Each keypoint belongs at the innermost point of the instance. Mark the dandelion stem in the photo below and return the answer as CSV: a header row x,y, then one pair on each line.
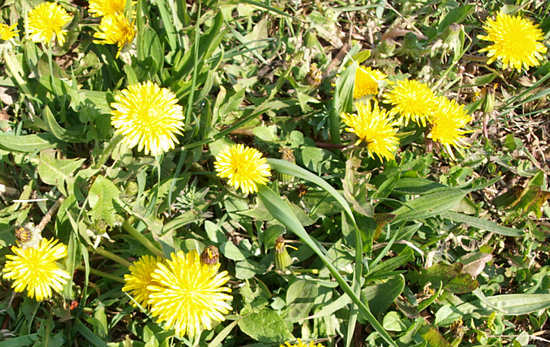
x,y
107,254
142,239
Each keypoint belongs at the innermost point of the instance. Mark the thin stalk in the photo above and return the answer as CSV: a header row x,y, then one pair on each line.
x,y
108,254
195,57
141,239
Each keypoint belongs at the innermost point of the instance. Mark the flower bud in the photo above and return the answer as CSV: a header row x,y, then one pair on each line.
x,y
282,258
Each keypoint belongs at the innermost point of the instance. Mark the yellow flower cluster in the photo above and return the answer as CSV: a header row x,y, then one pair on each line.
x,y
46,21
243,166
410,100
115,28
7,32
182,292
35,269
147,116
302,344
517,42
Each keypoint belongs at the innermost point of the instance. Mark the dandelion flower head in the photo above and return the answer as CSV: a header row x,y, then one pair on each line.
x,y
302,344
447,122
46,21
147,116
7,32
412,100
35,270
366,81
188,295
245,167
375,127
140,277
115,30
100,8
517,42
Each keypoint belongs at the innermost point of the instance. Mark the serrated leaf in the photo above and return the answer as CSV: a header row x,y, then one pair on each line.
x,y
300,297
101,197
265,326
57,172
26,143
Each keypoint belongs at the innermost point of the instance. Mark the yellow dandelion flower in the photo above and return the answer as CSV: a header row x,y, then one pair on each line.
x,y
46,21
517,42
447,121
8,32
366,81
147,116
100,8
189,296
115,30
302,344
140,277
412,100
243,166
35,269
375,127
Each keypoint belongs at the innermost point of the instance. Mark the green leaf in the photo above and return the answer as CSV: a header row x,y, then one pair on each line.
x,y
265,326
515,304
416,186
59,132
300,297
88,334
26,143
456,16
481,224
393,322
101,197
20,341
451,276
429,205
57,172
381,296
281,211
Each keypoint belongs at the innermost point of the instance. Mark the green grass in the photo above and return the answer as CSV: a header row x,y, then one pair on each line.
x,y
423,250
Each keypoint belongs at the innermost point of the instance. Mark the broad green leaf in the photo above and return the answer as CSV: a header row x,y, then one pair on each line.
x,y
481,224
381,296
101,197
57,172
20,341
515,304
300,297
434,338
392,322
265,326
416,186
429,205
26,143
451,276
